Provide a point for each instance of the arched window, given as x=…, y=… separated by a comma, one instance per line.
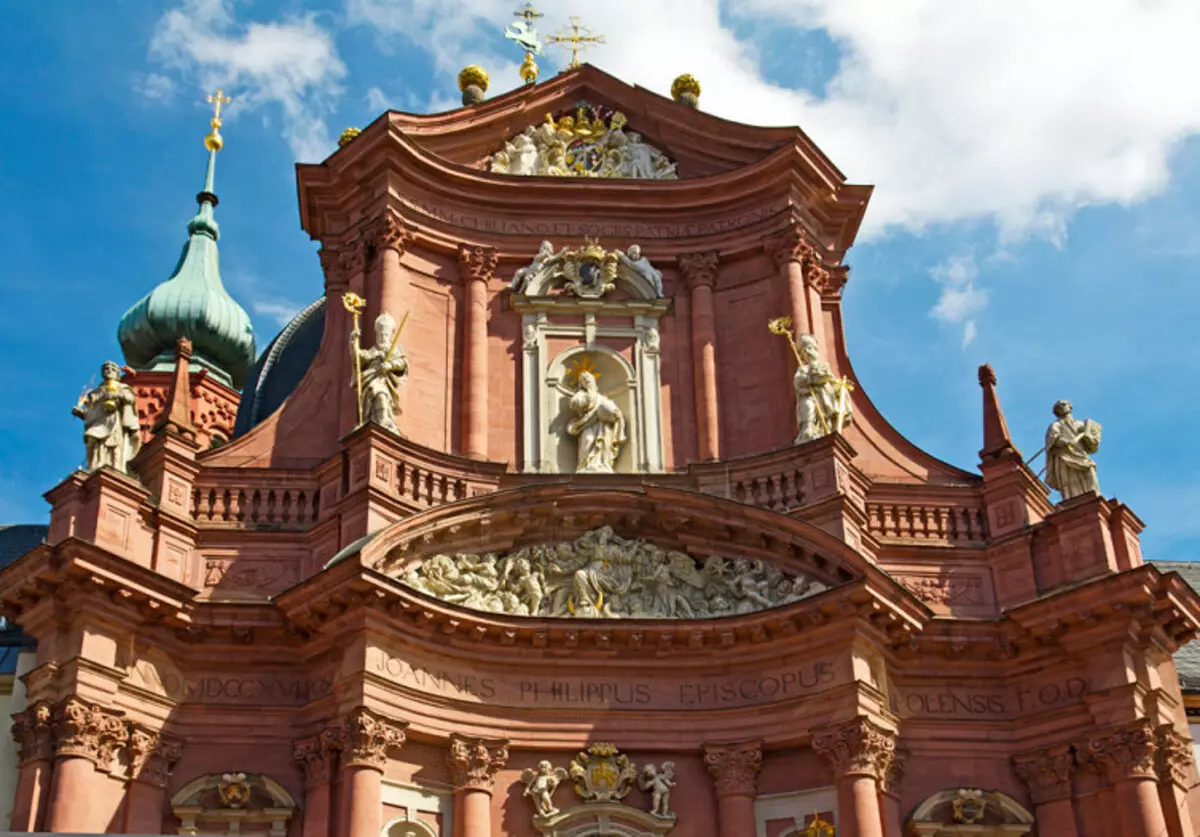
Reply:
x=971, y=811
x=404, y=827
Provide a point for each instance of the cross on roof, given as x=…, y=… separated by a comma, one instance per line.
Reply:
x=573, y=36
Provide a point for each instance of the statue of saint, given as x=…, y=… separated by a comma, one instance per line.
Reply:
x=1068, y=443
x=822, y=403
x=110, y=422
x=600, y=426
x=383, y=368
x=639, y=264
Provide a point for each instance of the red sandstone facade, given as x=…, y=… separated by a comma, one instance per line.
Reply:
x=974, y=635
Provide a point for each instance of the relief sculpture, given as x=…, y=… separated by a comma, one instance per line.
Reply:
x=600, y=575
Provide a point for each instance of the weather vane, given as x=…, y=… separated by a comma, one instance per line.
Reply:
x=525, y=36
x=214, y=142
x=578, y=37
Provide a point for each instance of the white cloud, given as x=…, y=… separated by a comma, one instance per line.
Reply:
x=292, y=64
x=961, y=299
x=155, y=87
x=280, y=310
x=1015, y=112
x=376, y=100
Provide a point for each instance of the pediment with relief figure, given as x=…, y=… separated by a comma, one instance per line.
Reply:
x=589, y=141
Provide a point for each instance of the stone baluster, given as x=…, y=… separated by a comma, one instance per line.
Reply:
x=87, y=739
x=1127, y=754
x=366, y=738
x=33, y=730
x=699, y=271
x=477, y=267
x=1047, y=774
x=1175, y=779
x=473, y=765
x=151, y=755
x=800, y=266
x=317, y=755
x=889, y=795
x=735, y=769
x=861, y=753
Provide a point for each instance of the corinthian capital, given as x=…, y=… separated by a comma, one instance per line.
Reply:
x=342, y=262
x=316, y=755
x=366, y=738
x=791, y=245
x=389, y=232
x=151, y=755
x=33, y=730
x=698, y=269
x=1126, y=752
x=476, y=263
x=86, y=730
x=474, y=761
x=734, y=767
x=858, y=747
x=1174, y=756
x=1047, y=773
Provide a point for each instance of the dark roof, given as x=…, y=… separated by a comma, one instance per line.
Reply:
x=280, y=367
x=1187, y=658
x=16, y=540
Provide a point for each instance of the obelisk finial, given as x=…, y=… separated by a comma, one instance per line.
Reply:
x=577, y=37
x=214, y=142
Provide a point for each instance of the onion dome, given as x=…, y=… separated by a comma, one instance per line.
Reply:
x=193, y=303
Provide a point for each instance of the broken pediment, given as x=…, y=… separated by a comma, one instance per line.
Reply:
x=588, y=141
x=600, y=575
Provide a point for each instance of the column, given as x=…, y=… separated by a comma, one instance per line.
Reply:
x=1174, y=780
x=889, y=795
x=473, y=765
x=151, y=754
x=1047, y=774
x=1128, y=754
x=735, y=769
x=477, y=266
x=33, y=731
x=366, y=738
x=861, y=753
x=317, y=755
x=699, y=271
x=802, y=269
x=87, y=737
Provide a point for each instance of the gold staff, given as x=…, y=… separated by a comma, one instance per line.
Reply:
x=396, y=338
x=783, y=326
x=355, y=305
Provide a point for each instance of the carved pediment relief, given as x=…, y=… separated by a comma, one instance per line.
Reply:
x=600, y=575
x=588, y=272
x=588, y=141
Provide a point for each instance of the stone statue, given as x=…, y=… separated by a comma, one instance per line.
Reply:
x=599, y=425
x=545, y=260
x=540, y=784
x=601, y=575
x=822, y=401
x=1068, y=443
x=639, y=264
x=383, y=369
x=659, y=781
x=110, y=422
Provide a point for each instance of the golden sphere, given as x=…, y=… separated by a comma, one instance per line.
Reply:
x=529, y=70
x=214, y=142
x=347, y=135
x=472, y=76
x=685, y=83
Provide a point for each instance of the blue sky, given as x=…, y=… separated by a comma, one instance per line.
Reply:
x=1036, y=179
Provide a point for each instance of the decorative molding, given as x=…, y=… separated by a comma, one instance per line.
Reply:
x=89, y=731
x=699, y=269
x=475, y=761
x=366, y=739
x=1047, y=773
x=152, y=754
x=734, y=767
x=858, y=747
x=476, y=263
x=1127, y=752
x=33, y=730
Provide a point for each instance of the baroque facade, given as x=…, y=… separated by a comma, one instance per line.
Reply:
x=560, y=511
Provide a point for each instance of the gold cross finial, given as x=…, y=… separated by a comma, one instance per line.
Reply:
x=578, y=37
x=213, y=141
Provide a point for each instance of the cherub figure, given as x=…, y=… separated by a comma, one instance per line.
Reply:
x=541, y=784
x=659, y=781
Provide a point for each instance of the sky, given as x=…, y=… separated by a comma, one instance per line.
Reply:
x=1037, y=173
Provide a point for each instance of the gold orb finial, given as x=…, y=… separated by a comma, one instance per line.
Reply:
x=347, y=135
x=472, y=76
x=529, y=69
x=213, y=141
x=686, y=90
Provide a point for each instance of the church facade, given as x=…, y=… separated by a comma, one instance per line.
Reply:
x=560, y=512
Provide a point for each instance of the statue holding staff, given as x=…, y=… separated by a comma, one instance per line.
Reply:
x=109, y=412
x=379, y=370
x=822, y=400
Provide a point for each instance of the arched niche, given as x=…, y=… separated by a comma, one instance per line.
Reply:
x=233, y=803
x=603, y=819
x=962, y=811
x=618, y=329
x=404, y=827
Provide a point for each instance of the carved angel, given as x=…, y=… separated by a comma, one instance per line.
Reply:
x=659, y=781
x=540, y=784
x=545, y=258
x=639, y=264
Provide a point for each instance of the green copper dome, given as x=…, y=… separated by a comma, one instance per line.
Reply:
x=194, y=304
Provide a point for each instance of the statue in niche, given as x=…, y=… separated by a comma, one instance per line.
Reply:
x=540, y=784
x=599, y=425
x=545, y=259
x=639, y=264
x=659, y=781
x=382, y=369
x=1069, y=468
x=110, y=423
x=822, y=401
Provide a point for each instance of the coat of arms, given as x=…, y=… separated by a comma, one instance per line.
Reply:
x=602, y=774
x=590, y=272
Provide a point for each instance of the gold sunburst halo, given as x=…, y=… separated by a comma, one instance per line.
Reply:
x=577, y=367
